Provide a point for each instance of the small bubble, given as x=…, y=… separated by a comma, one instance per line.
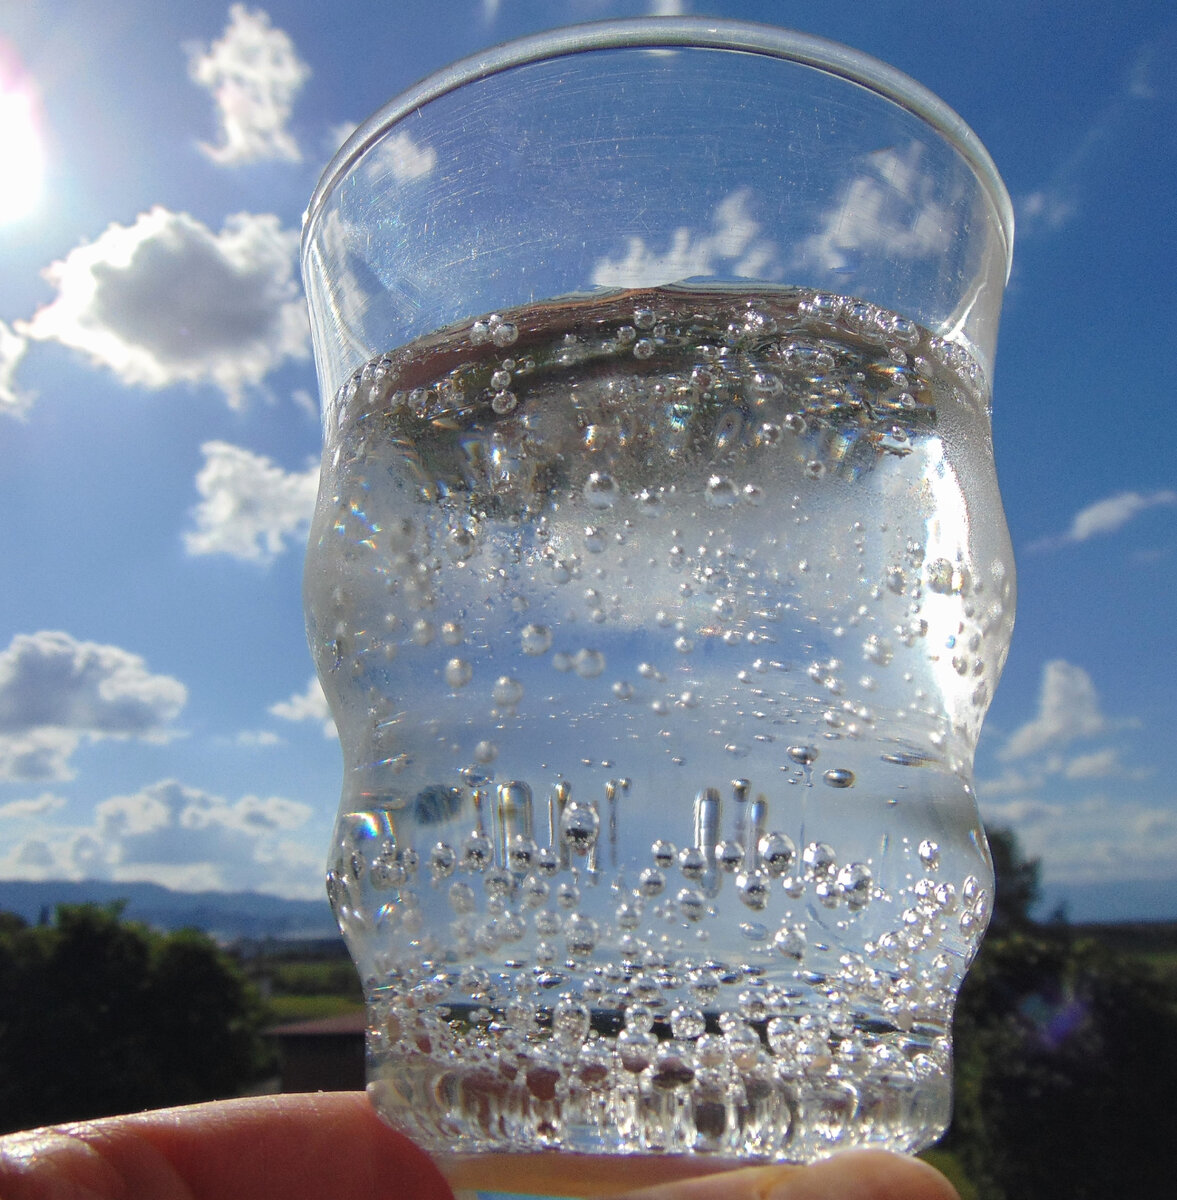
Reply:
x=485, y=752
x=795, y=424
x=777, y=852
x=500, y=380
x=790, y=942
x=462, y=898
x=504, y=402
x=856, y=881
x=929, y=853
x=651, y=882
x=754, y=889
x=581, y=935
x=805, y=756
x=600, y=490
x=623, y=690
x=535, y=639
x=452, y=633
x=579, y=827
x=503, y=333
x=423, y=632
x=442, y=861
x=477, y=853
x=692, y=862
x=664, y=853
x=643, y=348
x=820, y=861
x=692, y=904
x=687, y=1023
x=838, y=777
x=588, y=664
x=458, y=673
x=507, y=692
x=721, y=492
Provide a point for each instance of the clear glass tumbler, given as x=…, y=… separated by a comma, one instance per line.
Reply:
x=659, y=585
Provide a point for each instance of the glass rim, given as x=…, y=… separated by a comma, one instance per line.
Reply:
x=668, y=33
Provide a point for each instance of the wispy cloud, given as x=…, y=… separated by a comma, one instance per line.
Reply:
x=1107, y=516
x=167, y=301
x=34, y=807
x=250, y=508
x=254, y=74
x=56, y=691
x=13, y=400
x=1052, y=205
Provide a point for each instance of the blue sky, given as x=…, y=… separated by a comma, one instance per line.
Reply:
x=158, y=446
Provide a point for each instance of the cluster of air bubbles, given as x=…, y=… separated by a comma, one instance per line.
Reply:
x=494, y=329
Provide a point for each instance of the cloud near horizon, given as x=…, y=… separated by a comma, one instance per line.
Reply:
x=56, y=691
x=253, y=74
x=181, y=837
x=167, y=301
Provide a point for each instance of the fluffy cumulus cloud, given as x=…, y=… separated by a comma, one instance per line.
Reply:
x=254, y=75
x=167, y=301
x=1108, y=516
x=12, y=349
x=182, y=837
x=250, y=508
x=731, y=245
x=56, y=691
x=1068, y=709
x=310, y=705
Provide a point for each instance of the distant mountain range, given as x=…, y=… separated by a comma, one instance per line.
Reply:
x=228, y=916
x=231, y=916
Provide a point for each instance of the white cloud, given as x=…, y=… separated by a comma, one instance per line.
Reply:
x=257, y=739
x=1068, y=708
x=167, y=301
x=55, y=691
x=731, y=241
x=254, y=74
x=310, y=705
x=250, y=507
x=402, y=158
x=12, y=350
x=1043, y=210
x=35, y=806
x=894, y=208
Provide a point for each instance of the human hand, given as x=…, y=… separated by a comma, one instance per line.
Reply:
x=332, y=1144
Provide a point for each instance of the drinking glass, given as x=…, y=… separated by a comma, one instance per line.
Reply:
x=658, y=584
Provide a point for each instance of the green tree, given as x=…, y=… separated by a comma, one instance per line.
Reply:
x=1065, y=1053
x=99, y=1016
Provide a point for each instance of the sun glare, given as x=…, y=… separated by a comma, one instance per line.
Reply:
x=22, y=156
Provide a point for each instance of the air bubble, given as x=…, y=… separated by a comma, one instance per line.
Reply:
x=458, y=673
x=929, y=853
x=838, y=777
x=777, y=852
x=600, y=490
x=805, y=756
x=588, y=664
x=579, y=826
x=503, y=333
x=754, y=890
x=790, y=942
x=535, y=639
x=721, y=492
x=507, y=692
x=485, y=752
x=643, y=348
x=692, y=904
x=504, y=402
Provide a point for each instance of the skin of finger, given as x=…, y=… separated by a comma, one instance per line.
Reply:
x=314, y=1147
x=853, y=1175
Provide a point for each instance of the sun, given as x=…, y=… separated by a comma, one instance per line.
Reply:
x=22, y=153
